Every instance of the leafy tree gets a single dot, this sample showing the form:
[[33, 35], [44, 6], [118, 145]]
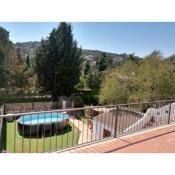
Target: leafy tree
[[171, 62], [133, 58], [93, 80], [19, 56], [78, 100], [118, 83], [155, 78], [58, 61], [18, 73], [33, 84], [151, 79]]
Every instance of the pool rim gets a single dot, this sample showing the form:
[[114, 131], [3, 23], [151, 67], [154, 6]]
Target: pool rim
[[44, 123]]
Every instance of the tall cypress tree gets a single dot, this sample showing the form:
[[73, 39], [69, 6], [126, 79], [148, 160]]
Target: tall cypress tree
[[58, 62], [87, 67], [28, 60], [102, 64]]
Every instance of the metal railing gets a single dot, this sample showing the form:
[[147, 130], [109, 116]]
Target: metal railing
[[2, 130], [1, 122], [49, 131]]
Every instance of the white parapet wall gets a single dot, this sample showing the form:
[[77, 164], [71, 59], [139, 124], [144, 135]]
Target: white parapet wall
[[160, 115]]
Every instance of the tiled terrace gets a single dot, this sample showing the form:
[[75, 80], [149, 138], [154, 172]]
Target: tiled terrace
[[157, 140]]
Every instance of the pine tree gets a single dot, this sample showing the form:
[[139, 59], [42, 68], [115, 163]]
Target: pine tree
[[58, 62]]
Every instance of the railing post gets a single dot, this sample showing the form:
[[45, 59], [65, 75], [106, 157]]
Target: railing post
[[3, 109], [1, 147], [116, 121], [169, 114], [3, 136], [33, 106]]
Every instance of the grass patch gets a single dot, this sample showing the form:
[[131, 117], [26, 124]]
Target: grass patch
[[17, 143]]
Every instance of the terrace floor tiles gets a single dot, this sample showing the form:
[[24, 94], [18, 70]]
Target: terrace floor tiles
[[157, 140]]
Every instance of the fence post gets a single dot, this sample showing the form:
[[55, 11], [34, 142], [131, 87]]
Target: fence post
[[169, 114], [3, 138], [116, 121], [1, 147], [33, 105], [3, 109]]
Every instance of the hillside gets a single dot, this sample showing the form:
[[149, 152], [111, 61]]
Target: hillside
[[97, 53], [29, 48]]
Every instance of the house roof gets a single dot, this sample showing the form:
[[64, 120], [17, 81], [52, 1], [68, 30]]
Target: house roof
[[124, 119]]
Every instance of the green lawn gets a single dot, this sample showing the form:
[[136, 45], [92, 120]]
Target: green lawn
[[20, 144]]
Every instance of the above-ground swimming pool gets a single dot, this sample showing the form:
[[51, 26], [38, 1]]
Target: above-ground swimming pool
[[41, 124]]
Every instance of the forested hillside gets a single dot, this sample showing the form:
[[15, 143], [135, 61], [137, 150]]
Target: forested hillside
[[29, 49]]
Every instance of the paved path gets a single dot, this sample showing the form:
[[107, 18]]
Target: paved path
[[86, 134], [158, 140]]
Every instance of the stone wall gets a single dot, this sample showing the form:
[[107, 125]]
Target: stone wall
[[36, 106]]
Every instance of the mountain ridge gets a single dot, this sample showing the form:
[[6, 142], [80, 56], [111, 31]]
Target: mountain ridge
[[30, 47]]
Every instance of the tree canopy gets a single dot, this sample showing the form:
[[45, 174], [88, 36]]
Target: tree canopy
[[151, 79], [5, 47]]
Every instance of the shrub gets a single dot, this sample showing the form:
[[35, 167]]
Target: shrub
[[78, 101], [90, 98]]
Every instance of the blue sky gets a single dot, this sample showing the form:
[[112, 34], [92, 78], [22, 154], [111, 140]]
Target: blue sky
[[140, 38]]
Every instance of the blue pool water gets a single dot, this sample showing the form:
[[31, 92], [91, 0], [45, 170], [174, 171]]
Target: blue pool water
[[42, 118]]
